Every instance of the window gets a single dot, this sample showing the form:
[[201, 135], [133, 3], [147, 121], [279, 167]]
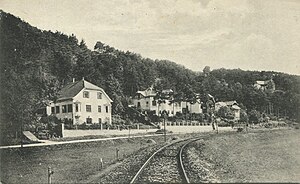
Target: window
[[88, 108], [57, 109], [139, 104], [153, 103], [99, 120], [89, 120], [99, 95], [99, 108], [76, 108], [86, 94], [52, 110], [70, 108], [106, 108], [147, 104], [64, 109]]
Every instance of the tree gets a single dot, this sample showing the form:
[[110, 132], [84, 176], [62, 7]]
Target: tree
[[114, 89], [254, 116], [244, 116], [206, 70], [160, 98]]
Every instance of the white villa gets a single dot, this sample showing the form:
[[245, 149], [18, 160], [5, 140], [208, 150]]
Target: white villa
[[82, 102], [192, 108], [264, 85], [146, 101], [233, 105]]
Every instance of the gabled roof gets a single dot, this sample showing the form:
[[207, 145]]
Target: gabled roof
[[262, 82], [231, 103], [236, 107], [167, 91], [221, 104], [147, 92], [72, 89], [227, 103]]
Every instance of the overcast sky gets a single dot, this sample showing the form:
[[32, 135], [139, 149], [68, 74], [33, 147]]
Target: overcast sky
[[251, 35]]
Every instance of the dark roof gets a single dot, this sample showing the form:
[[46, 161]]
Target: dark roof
[[72, 89]]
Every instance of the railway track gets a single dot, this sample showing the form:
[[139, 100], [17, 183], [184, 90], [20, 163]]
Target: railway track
[[165, 165]]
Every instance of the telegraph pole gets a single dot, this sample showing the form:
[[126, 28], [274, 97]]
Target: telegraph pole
[[165, 135], [164, 114], [22, 124]]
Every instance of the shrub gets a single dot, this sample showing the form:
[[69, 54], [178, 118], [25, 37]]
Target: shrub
[[151, 141], [116, 119], [240, 129], [223, 124], [175, 138], [198, 117], [171, 119]]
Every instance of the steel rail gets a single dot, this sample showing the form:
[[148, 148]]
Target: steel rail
[[155, 153], [181, 160]]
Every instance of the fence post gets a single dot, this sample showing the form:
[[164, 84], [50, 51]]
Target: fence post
[[101, 164], [129, 131], [117, 153], [50, 172], [62, 129], [165, 130]]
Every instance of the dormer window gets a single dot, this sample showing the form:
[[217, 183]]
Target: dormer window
[[86, 94]]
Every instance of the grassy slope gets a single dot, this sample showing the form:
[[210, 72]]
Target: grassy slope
[[263, 156], [71, 162]]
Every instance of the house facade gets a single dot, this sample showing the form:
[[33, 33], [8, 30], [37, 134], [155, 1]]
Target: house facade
[[233, 105], [192, 107], [146, 101], [82, 102], [265, 85]]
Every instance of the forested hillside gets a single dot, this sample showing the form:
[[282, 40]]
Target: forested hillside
[[35, 64]]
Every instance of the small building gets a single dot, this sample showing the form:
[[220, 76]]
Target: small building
[[233, 105], [265, 85], [82, 102], [146, 101]]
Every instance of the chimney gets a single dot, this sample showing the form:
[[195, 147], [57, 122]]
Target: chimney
[[82, 78], [73, 80]]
